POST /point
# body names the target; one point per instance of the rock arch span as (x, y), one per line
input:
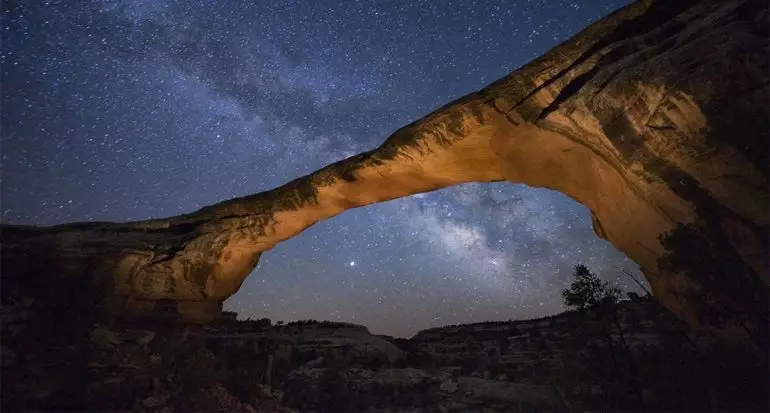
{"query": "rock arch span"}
(655, 118)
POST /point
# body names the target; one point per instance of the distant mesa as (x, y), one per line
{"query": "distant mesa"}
(228, 316)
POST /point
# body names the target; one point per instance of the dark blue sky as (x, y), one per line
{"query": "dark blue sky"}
(127, 110)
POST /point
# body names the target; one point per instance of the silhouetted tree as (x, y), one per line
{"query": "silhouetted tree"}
(588, 291)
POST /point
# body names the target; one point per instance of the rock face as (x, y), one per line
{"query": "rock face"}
(575, 361)
(636, 357)
(655, 118)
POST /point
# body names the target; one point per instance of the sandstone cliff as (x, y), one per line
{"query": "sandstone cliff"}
(655, 118)
(570, 362)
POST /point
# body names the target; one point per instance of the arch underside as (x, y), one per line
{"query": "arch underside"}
(655, 118)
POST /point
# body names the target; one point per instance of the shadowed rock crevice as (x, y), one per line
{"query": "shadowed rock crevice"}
(654, 118)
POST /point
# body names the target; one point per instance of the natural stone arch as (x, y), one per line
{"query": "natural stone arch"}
(655, 118)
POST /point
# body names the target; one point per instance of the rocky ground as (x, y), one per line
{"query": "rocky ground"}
(641, 358)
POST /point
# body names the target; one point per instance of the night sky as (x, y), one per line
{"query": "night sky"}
(129, 110)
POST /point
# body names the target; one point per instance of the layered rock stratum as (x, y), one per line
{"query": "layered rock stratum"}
(655, 118)
(634, 356)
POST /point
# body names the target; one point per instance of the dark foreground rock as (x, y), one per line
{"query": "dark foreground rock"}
(635, 357)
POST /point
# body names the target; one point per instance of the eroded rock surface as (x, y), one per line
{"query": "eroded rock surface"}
(655, 118)
(569, 362)
(576, 361)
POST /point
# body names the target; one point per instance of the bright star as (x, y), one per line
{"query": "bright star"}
(352, 264)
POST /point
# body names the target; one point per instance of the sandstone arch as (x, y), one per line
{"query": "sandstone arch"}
(654, 117)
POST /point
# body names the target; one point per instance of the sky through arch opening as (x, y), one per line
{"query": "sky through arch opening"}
(469, 253)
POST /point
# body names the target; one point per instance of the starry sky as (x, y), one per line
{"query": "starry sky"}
(134, 109)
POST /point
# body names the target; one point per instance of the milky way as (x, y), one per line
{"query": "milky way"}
(128, 110)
